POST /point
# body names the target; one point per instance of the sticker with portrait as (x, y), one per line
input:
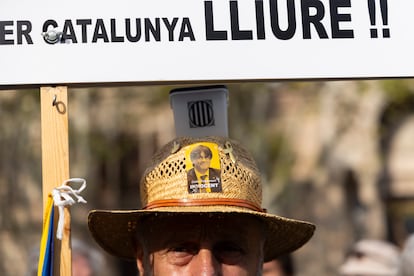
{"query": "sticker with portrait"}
(203, 168)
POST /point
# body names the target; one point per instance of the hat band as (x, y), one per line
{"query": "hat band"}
(203, 202)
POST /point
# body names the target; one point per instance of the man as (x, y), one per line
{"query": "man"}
(180, 232)
(202, 177)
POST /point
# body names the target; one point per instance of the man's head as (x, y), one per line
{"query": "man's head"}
(201, 157)
(216, 217)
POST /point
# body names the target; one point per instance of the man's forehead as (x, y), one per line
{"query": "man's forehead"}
(191, 218)
(182, 229)
(186, 224)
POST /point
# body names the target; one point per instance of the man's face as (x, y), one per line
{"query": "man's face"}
(202, 162)
(202, 245)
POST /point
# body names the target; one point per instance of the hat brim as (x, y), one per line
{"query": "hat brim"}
(115, 231)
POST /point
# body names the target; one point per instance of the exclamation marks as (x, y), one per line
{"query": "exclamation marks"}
(384, 17)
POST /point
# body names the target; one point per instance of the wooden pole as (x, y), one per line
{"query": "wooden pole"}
(55, 164)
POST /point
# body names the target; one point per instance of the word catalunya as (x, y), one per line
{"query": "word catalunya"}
(265, 23)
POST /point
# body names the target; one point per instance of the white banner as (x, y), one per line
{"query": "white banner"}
(47, 42)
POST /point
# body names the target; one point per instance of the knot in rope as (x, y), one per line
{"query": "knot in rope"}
(64, 196)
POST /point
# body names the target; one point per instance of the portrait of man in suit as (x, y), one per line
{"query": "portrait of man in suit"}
(202, 177)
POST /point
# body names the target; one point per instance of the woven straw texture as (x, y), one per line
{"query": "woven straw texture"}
(166, 178)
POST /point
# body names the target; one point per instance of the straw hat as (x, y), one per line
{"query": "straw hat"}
(166, 190)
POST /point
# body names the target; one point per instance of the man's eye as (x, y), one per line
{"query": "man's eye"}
(183, 249)
(181, 254)
(229, 253)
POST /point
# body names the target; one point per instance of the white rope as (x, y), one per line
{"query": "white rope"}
(63, 196)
